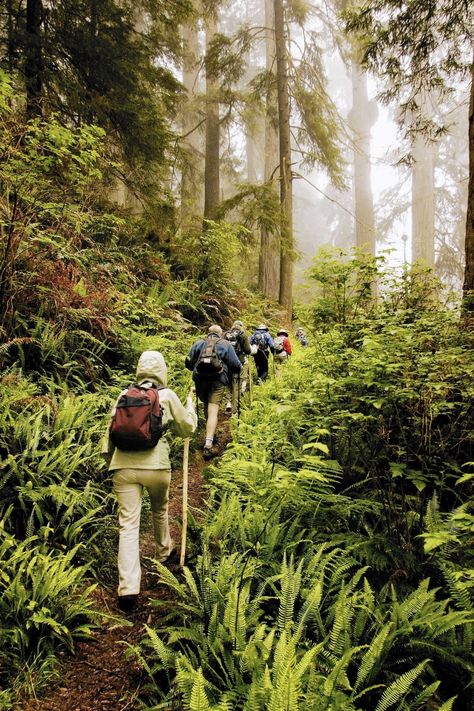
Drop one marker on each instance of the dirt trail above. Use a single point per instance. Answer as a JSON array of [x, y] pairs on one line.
[[98, 676]]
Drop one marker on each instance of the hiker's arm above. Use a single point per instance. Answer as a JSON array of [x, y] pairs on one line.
[[107, 448], [192, 356], [246, 344], [189, 361], [184, 418], [233, 360]]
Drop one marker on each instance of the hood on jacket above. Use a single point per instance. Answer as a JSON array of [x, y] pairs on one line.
[[151, 366]]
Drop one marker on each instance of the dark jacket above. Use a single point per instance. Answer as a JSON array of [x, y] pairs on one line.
[[226, 353], [267, 338], [243, 344]]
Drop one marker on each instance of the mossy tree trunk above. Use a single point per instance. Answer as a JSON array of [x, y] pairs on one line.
[[286, 202], [212, 155]]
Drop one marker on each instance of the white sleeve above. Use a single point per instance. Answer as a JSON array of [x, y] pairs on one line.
[[184, 419]]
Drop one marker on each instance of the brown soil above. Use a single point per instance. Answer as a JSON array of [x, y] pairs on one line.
[[98, 675]]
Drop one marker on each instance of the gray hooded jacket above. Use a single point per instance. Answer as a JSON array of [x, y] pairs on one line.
[[152, 369]]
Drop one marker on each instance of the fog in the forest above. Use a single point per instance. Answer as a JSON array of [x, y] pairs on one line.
[[324, 216]]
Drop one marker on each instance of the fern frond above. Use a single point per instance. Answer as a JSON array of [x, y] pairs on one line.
[[400, 687]]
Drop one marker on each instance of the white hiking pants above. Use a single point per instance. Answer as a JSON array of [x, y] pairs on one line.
[[128, 486]]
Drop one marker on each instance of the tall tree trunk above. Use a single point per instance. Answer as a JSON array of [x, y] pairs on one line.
[[211, 165], [269, 261], [190, 193], [361, 120], [34, 57], [10, 36], [468, 287], [286, 232], [423, 202]]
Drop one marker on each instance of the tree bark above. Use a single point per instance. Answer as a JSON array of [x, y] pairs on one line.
[[361, 121], [468, 287], [191, 196], [34, 57], [422, 202], [269, 261], [211, 164], [286, 231], [10, 36]]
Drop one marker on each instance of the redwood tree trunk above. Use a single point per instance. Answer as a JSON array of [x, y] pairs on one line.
[[269, 261], [211, 165], [287, 250], [423, 204], [468, 287], [361, 120], [191, 176], [34, 57]]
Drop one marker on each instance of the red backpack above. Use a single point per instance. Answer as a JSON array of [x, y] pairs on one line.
[[137, 423]]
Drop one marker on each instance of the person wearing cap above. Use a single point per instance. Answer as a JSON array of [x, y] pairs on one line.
[[281, 347], [222, 362], [151, 469], [238, 338], [264, 343], [301, 336]]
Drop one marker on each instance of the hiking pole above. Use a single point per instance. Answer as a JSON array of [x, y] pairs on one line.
[[250, 381], [184, 529], [238, 398]]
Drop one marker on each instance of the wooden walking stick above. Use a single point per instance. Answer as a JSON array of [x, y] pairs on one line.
[[184, 529], [250, 380]]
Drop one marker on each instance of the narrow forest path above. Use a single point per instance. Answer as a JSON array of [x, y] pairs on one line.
[[98, 676]]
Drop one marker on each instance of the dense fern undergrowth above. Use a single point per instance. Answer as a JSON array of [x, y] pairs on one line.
[[335, 564], [332, 568]]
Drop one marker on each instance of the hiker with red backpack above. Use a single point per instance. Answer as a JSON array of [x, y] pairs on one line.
[[281, 348], [213, 361], [264, 343], [139, 458]]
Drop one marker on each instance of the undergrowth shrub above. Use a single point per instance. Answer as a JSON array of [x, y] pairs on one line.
[[335, 571], [45, 605], [50, 475]]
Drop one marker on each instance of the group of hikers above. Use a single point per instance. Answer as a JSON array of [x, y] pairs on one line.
[[138, 454], [220, 364]]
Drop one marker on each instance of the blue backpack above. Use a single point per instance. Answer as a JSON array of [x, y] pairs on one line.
[[260, 341]]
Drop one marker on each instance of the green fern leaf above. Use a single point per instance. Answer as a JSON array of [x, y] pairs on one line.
[[400, 687]]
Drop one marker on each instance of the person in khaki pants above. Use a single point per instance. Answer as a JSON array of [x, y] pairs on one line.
[[150, 469]]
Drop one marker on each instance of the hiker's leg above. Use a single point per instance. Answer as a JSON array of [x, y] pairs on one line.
[[213, 412], [235, 393], [129, 498], [202, 395], [230, 398], [260, 363], [216, 393], [244, 374], [157, 482]]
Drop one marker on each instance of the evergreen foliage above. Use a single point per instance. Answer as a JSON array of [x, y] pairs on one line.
[[105, 62]]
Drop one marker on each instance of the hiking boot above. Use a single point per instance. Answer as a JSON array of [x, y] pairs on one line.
[[208, 452], [126, 603], [228, 409], [172, 559]]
